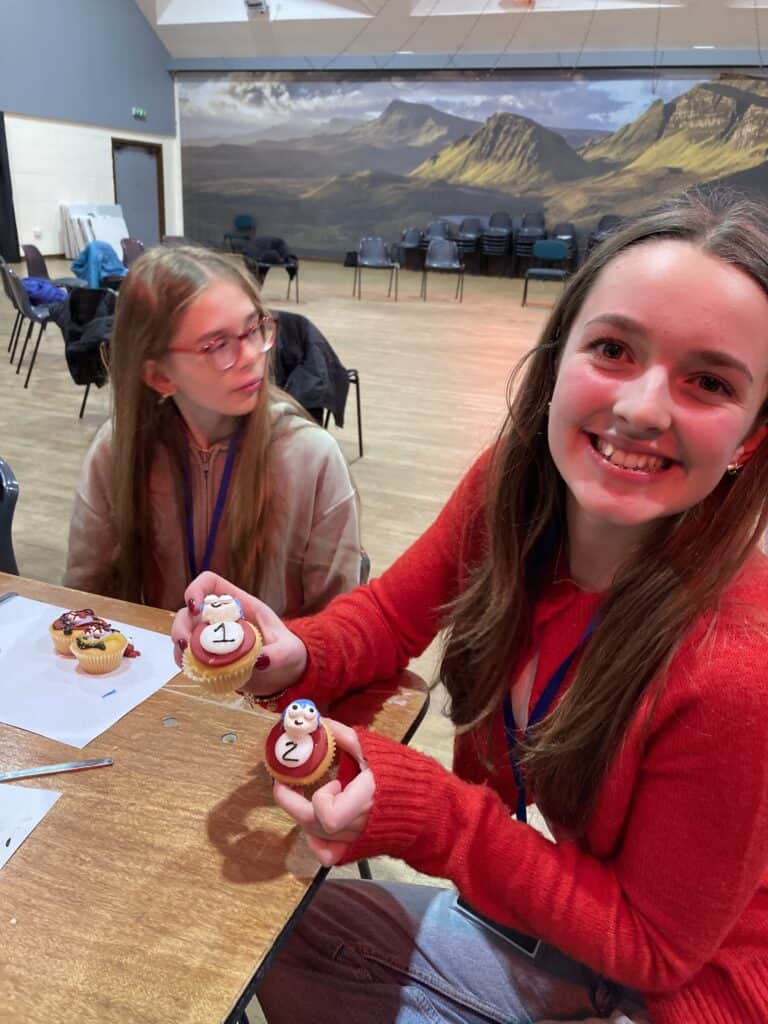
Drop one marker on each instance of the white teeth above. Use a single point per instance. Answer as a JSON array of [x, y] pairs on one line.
[[630, 460]]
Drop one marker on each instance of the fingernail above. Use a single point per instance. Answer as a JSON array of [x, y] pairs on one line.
[[262, 661], [182, 645], [192, 606]]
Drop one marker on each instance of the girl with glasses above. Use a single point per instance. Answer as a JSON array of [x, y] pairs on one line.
[[206, 464], [605, 613]]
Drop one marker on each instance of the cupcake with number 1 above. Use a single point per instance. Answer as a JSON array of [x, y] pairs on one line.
[[223, 647]]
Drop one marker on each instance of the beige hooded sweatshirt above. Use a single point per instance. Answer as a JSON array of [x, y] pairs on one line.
[[315, 549]]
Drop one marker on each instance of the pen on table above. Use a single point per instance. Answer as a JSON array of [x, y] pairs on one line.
[[55, 769]]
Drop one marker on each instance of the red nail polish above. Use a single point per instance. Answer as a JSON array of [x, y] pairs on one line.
[[183, 645], [192, 606], [262, 661]]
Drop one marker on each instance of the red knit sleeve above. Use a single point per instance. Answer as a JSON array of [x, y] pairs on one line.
[[373, 632], [690, 856]]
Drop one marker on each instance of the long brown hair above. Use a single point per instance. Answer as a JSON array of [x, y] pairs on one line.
[[153, 297], [680, 571]]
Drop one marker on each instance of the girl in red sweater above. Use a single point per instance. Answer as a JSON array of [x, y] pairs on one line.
[[603, 602]]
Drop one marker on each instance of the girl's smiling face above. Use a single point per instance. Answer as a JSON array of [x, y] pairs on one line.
[[659, 385]]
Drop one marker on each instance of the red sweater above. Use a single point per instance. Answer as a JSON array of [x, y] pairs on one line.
[[668, 891]]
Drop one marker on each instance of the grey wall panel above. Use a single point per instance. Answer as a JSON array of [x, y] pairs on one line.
[[87, 61]]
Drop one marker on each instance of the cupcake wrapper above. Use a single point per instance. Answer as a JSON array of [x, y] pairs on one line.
[[62, 640], [99, 664], [222, 680]]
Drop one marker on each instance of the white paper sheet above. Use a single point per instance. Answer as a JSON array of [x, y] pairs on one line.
[[48, 693], [21, 809]]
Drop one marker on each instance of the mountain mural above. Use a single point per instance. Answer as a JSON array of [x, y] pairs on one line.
[[509, 152], [414, 162]]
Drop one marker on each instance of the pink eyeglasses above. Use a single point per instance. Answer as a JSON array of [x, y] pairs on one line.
[[224, 351]]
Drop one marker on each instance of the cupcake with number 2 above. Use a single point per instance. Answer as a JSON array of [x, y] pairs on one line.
[[300, 748], [223, 647]]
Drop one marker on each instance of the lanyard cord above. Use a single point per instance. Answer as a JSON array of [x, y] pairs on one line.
[[542, 706], [218, 509]]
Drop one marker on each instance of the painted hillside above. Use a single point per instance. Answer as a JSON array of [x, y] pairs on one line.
[[323, 191]]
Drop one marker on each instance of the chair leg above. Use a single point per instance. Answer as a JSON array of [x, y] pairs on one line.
[[356, 381], [424, 285], [397, 277], [16, 326], [461, 289], [365, 869], [354, 283], [85, 399], [17, 339], [40, 333], [24, 346], [525, 292]]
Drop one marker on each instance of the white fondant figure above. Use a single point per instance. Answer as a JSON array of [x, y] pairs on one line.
[[223, 634], [296, 744]]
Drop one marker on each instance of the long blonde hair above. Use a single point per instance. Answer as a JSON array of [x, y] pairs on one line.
[[679, 573], [154, 296]]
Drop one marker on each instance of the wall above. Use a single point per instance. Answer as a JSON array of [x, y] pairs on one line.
[[53, 162], [70, 75], [86, 61]]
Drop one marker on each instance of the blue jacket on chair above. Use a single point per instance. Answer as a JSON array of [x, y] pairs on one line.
[[97, 261]]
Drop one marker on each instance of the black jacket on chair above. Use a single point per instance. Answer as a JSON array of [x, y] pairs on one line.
[[85, 326], [308, 369]]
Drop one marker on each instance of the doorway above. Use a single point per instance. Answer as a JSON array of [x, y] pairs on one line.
[[137, 169]]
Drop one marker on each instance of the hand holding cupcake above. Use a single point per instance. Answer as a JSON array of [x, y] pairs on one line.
[[223, 646]]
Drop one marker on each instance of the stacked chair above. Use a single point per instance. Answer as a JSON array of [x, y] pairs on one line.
[[498, 238], [469, 236], [532, 230], [608, 222], [413, 253]]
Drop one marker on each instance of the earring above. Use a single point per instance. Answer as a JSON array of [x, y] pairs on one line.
[[733, 468], [164, 397]]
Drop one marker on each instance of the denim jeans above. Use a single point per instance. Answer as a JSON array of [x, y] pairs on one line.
[[393, 953]]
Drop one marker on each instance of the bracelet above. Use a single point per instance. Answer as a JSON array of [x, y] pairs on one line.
[[268, 701]]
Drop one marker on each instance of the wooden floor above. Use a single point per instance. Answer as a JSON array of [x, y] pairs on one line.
[[432, 377]]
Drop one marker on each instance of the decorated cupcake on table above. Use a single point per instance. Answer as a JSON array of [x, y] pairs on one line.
[[300, 748], [72, 624], [99, 648], [223, 647]]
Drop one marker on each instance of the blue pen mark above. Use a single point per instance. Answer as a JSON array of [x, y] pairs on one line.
[[108, 693]]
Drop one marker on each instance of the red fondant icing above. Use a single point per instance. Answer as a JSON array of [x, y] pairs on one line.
[[217, 660], [302, 771], [80, 619]]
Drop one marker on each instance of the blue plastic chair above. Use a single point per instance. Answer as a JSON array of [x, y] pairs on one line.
[[555, 254]]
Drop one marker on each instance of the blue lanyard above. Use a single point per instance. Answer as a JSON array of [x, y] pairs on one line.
[[542, 706], [217, 510]]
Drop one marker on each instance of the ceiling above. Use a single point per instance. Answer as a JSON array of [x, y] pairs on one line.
[[327, 34]]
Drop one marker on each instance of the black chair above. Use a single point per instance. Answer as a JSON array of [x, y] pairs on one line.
[[306, 366], [532, 229], [36, 268], [372, 253], [9, 493], [443, 257], [548, 251], [267, 251], [608, 223], [497, 239], [40, 315], [10, 293], [86, 319], [237, 240], [132, 249]]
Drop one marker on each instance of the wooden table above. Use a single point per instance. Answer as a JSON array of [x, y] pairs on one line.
[[155, 890]]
